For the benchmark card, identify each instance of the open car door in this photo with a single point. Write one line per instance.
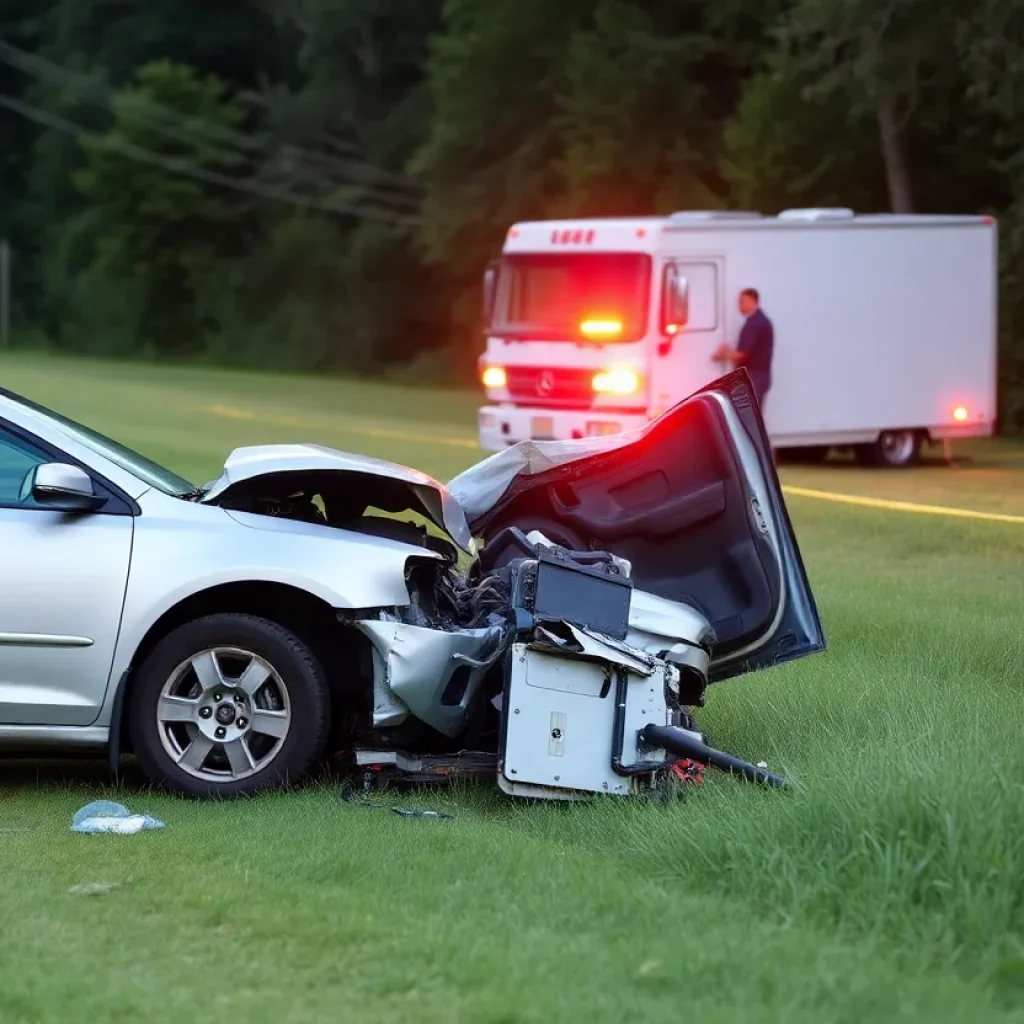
(692, 501)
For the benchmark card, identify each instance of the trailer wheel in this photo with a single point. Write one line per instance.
(894, 449)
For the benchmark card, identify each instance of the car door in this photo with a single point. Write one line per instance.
(692, 502)
(683, 361)
(62, 585)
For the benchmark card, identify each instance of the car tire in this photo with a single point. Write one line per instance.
(894, 449)
(228, 705)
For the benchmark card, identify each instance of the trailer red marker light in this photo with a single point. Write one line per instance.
(601, 328)
(960, 414)
(617, 380)
(494, 377)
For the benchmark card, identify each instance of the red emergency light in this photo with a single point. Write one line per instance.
(571, 236)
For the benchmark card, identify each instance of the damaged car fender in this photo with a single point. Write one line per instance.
(432, 674)
(345, 571)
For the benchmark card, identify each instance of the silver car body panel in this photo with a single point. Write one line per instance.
(347, 571)
(61, 621)
(54, 737)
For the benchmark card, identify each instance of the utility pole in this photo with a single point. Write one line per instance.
(5, 293)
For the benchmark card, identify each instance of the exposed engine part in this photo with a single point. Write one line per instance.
(598, 696)
(686, 745)
(328, 503)
(298, 506)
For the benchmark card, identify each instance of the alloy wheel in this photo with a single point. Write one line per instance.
(223, 714)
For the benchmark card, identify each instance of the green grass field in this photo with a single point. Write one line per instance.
(889, 886)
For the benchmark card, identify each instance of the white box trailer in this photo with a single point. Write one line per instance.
(885, 325)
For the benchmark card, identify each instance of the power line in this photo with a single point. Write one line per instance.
(40, 67)
(373, 177)
(193, 170)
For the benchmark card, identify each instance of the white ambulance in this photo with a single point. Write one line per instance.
(885, 326)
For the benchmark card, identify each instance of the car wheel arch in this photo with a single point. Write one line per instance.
(338, 646)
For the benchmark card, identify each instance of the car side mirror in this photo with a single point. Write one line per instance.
(64, 488)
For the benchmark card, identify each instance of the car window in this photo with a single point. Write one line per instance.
(124, 458)
(17, 459)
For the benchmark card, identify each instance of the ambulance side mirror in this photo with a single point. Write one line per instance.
(675, 306)
(490, 284)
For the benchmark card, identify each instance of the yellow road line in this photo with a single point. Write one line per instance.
(232, 412)
(228, 412)
(903, 506)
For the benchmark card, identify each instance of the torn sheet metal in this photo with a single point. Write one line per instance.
(658, 619)
(414, 665)
(573, 642)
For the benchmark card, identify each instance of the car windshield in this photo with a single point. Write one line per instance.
(131, 462)
(582, 297)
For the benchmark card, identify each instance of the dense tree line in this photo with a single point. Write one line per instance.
(317, 184)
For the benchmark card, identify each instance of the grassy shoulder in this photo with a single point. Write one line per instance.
(888, 886)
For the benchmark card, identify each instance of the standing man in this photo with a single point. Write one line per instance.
(755, 347)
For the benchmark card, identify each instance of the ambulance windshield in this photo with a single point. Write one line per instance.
(596, 298)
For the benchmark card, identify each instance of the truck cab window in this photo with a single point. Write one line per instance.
(600, 297)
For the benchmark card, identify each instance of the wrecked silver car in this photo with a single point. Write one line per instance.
(549, 620)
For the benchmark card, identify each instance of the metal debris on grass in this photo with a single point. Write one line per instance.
(93, 888)
(351, 795)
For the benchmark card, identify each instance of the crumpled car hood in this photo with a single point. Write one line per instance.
(430, 497)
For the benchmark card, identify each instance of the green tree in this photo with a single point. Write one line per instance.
(342, 131)
(783, 150)
(881, 57)
(167, 222)
(647, 90)
(495, 74)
